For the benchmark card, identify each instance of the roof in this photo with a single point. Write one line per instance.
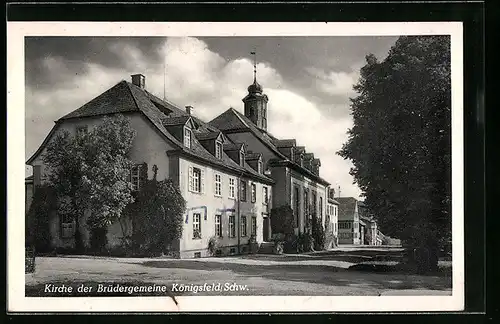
(285, 142)
(127, 97)
(347, 207)
(233, 121)
(252, 156)
(174, 121)
(333, 201)
(233, 146)
(207, 136)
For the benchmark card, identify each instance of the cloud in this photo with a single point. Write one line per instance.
(192, 74)
(334, 83)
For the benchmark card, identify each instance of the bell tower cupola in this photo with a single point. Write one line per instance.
(256, 101)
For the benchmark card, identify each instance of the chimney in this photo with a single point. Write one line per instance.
(189, 109)
(139, 80)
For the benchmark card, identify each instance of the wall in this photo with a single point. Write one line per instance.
(304, 183)
(207, 202)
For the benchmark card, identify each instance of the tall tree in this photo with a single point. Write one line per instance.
(90, 171)
(400, 144)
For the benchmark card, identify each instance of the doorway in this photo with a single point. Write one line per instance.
(266, 232)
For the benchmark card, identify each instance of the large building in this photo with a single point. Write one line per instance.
(231, 170)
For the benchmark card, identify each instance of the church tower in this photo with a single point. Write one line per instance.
(256, 102)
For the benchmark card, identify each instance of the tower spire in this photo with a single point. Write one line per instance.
(254, 65)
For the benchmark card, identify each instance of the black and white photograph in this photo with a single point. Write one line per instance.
(172, 168)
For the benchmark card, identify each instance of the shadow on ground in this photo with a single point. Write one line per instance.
(326, 275)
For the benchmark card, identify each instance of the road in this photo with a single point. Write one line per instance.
(307, 275)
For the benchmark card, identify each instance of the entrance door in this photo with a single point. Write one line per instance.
(266, 226)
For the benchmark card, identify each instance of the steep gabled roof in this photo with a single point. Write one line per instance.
(126, 97)
(285, 143)
(117, 99)
(347, 207)
(233, 146)
(175, 121)
(207, 135)
(253, 156)
(233, 121)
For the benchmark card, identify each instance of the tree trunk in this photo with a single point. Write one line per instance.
(79, 248)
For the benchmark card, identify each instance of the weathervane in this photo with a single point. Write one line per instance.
(254, 66)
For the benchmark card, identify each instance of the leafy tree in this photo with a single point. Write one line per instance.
(158, 216)
(37, 219)
(90, 171)
(401, 140)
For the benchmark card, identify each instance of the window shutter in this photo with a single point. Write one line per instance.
(190, 178)
(202, 181)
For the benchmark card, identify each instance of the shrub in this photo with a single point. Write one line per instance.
(98, 239)
(157, 217)
(305, 242)
(37, 219)
(213, 245)
(278, 247)
(318, 233)
(253, 246)
(282, 220)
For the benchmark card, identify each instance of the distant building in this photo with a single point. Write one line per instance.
(348, 221)
(332, 216)
(368, 226)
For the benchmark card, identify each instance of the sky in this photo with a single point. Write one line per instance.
(308, 81)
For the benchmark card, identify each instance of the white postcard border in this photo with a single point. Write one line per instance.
(17, 302)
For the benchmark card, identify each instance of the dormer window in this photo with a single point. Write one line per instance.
(187, 137)
(218, 150)
(242, 158)
(259, 167)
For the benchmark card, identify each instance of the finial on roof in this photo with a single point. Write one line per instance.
(255, 87)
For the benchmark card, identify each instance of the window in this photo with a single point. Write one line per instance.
(218, 226)
(231, 188)
(243, 226)
(259, 167)
(243, 190)
(314, 207)
(242, 158)
(254, 193)
(321, 207)
(81, 130)
(254, 226)
(135, 177)
(218, 150)
(195, 180)
(265, 195)
(196, 226)
(67, 226)
(231, 226)
(218, 185)
(297, 205)
(306, 202)
(344, 225)
(187, 137)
